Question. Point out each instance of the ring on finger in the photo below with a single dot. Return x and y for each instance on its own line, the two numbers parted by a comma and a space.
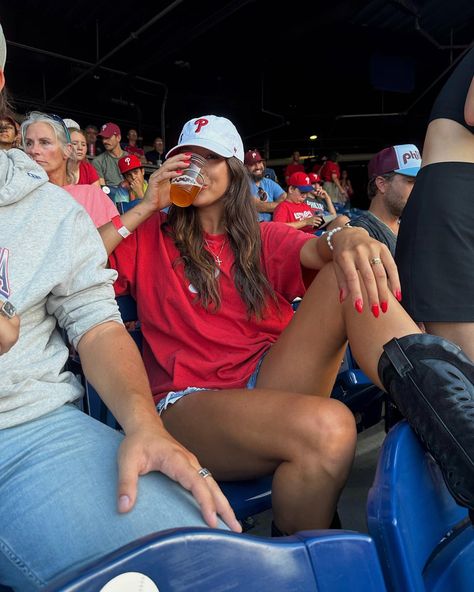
204, 473
376, 261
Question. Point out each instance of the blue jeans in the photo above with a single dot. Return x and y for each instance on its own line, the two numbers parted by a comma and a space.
58, 498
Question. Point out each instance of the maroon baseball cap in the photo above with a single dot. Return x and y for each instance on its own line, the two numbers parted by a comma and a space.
109, 129
301, 181
252, 157
403, 159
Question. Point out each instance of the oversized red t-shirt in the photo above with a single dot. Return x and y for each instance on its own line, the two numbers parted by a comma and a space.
288, 211
185, 344
293, 168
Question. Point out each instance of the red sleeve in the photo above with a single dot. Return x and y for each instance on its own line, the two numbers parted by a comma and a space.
87, 174
123, 259
281, 246
280, 213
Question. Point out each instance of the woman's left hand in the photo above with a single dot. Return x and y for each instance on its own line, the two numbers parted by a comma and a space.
359, 258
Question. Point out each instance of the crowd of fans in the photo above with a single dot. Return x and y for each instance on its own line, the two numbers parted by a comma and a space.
214, 285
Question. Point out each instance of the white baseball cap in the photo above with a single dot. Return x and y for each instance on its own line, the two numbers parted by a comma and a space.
3, 49
215, 133
70, 123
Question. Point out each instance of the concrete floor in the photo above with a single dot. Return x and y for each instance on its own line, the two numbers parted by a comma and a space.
352, 504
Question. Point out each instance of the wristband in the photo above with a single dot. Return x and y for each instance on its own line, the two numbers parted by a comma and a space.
121, 229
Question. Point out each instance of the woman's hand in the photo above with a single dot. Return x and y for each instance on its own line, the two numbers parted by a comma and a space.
358, 257
158, 190
9, 331
152, 448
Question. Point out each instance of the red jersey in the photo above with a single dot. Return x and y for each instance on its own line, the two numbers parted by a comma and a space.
328, 169
288, 211
185, 344
134, 150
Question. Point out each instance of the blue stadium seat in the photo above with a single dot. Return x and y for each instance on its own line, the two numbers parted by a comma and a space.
424, 539
203, 560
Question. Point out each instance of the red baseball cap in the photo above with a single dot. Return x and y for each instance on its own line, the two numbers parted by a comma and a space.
252, 157
314, 178
301, 181
109, 129
129, 163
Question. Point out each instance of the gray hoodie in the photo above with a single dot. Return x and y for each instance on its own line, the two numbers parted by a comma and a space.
52, 268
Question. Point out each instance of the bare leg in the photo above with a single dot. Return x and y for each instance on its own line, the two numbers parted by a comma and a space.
307, 442
460, 333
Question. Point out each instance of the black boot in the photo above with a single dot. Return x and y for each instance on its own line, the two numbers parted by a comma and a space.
432, 383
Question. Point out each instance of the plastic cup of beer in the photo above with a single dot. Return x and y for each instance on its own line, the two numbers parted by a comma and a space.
184, 189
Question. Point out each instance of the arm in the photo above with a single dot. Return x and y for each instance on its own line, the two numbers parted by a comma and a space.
314, 221
147, 445
156, 198
327, 198
352, 255
9, 332
335, 180
469, 105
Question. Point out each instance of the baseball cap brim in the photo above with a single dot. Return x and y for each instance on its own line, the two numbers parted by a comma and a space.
408, 172
203, 143
305, 188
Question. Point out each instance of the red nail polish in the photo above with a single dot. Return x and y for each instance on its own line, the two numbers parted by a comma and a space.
187, 153
375, 310
398, 295
359, 305
341, 296
384, 306
179, 171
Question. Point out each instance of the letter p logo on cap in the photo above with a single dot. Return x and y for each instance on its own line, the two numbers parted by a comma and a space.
200, 123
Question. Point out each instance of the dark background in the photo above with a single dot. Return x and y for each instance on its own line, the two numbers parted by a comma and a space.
360, 75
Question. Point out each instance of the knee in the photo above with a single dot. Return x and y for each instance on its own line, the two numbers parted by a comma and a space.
329, 435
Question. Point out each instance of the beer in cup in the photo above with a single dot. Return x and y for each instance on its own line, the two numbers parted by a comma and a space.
185, 188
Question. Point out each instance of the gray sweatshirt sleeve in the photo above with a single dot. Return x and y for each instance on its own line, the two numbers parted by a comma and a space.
84, 297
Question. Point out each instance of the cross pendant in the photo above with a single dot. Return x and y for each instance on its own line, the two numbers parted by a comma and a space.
218, 260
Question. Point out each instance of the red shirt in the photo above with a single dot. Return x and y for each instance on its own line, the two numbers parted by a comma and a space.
328, 169
87, 173
288, 211
134, 150
293, 168
185, 344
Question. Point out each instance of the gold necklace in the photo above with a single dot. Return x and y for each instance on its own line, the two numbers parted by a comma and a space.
217, 258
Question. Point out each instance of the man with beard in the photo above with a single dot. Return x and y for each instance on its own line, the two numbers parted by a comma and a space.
267, 193
392, 173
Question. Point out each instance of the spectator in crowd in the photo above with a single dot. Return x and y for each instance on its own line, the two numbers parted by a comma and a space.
157, 155
330, 173
8, 133
436, 239
94, 146
392, 173
267, 193
319, 199
47, 141
85, 173
319, 164
131, 147
134, 173
295, 166
294, 211
269, 173
346, 184
233, 281
107, 162
69, 483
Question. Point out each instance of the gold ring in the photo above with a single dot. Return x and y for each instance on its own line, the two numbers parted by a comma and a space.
376, 261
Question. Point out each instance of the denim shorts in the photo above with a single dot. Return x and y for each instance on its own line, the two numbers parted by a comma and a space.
174, 396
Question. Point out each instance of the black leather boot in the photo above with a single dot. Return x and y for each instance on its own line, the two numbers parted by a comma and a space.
432, 383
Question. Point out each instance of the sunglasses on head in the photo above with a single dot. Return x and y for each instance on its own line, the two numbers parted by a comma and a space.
59, 120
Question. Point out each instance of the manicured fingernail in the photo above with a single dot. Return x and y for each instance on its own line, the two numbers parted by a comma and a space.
187, 153
124, 503
384, 306
187, 162
341, 296
375, 310
359, 305
179, 171
398, 295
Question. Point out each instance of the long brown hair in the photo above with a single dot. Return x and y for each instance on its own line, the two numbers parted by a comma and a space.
243, 232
